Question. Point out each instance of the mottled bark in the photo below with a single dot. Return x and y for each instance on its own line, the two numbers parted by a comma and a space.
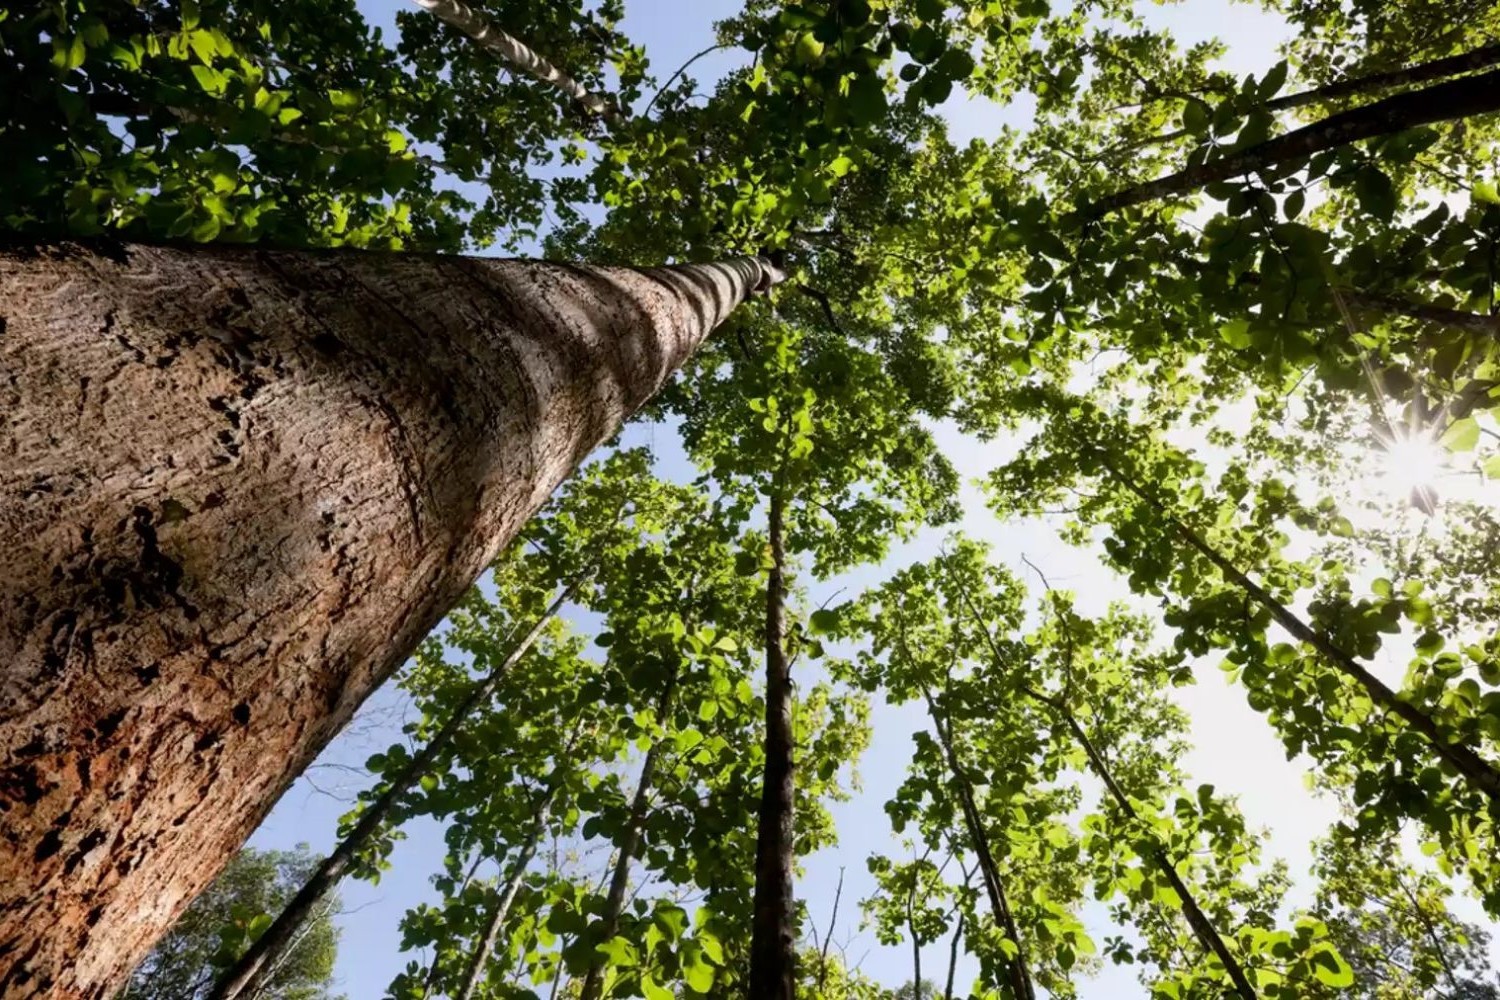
237, 489
254, 966
773, 941
1455, 99
517, 55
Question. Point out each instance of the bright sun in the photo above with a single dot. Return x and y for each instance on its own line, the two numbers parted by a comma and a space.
1410, 465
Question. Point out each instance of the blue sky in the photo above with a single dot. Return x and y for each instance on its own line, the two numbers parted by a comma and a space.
1236, 750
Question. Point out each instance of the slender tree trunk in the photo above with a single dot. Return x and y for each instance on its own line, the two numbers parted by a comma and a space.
1478, 772
773, 944
916, 945
511, 51
630, 845
833, 919
958, 936
243, 978
239, 487
1020, 976
1438, 69
1203, 928
1482, 324
486, 945
1461, 98
435, 970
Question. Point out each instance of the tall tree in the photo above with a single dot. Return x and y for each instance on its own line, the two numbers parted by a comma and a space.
195, 475
227, 916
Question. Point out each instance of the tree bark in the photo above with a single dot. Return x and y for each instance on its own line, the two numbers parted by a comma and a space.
958, 936
514, 53
1207, 934
238, 487
1479, 324
1461, 98
773, 942
1481, 775
251, 970
989, 873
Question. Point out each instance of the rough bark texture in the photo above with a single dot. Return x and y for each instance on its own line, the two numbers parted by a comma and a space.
1461, 98
773, 941
237, 488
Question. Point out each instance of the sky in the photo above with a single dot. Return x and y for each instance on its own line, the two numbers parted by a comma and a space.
1235, 749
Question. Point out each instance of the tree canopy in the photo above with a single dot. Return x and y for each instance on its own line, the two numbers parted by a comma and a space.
1234, 338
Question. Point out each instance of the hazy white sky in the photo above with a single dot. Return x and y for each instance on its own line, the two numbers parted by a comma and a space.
1235, 748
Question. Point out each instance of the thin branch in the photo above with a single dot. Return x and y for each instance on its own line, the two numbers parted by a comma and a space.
680, 70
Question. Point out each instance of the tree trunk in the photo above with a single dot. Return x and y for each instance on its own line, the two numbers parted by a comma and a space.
1461, 98
1203, 928
1479, 324
989, 873
614, 903
1208, 935
773, 942
1481, 775
513, 53
958, 936
252, 968
1437, 69
239, 486
486, 945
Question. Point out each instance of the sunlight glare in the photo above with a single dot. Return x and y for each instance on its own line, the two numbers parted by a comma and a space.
1410, 465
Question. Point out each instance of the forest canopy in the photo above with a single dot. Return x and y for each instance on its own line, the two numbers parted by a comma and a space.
1177, 381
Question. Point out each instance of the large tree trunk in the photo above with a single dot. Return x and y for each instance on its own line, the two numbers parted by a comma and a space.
237, 487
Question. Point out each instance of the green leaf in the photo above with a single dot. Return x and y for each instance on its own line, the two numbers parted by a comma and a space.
823, 621
1236, 333
698, 974
1196, 116
1330, 968
1461, 435
1376, 193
